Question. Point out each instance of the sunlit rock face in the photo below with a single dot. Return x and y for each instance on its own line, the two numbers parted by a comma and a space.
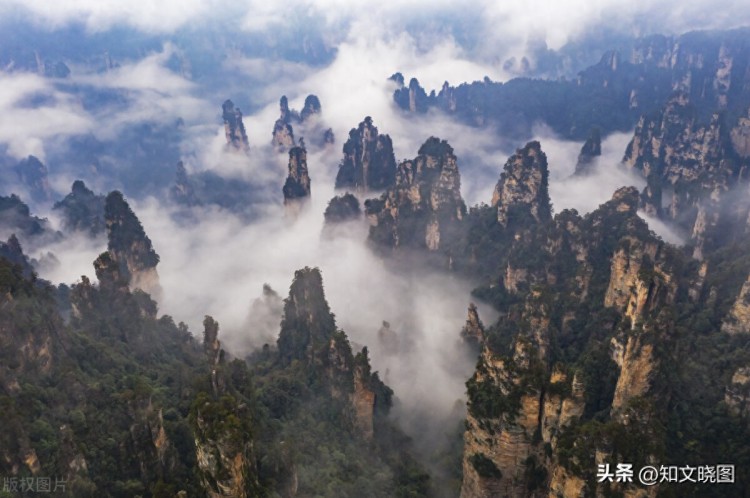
424, 207
525, 404
738, 320
369, 163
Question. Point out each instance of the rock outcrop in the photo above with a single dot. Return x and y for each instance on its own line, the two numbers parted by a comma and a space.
689, 165
591, 149
309, 335
737, 395
512, 417
222, 427
527, 411
13, 253
369, 163
16, 218
738, 320
473, 331
521, 195
224, 448
424, 207
342, 208
130, 247
711, 67
296, 189
311, 108
82, 210
308, 121
234, 128
283, 134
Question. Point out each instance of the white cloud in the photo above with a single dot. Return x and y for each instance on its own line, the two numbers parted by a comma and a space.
149, 92
34, 112
97, 15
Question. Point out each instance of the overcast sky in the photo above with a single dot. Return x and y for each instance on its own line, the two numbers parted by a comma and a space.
488, 21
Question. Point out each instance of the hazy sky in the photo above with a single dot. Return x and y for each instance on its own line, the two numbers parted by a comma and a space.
490, 20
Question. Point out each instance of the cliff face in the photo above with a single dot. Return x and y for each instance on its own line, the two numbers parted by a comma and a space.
283, 134
223, 448
692, 151
297, 186
16, 218
424, 207
522, 190
307, 121
638, 284
82, 210
222, 428
738, 320
473, 331
30, 344
129, 246
234, 128
12, 252
591, 149
527, 409
341, 209
516, 408
711, 67
369, 163
309, 334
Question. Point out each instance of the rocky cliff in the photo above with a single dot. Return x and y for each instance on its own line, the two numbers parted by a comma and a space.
16, 218
710, 66
369, 163
342, 208
296, 189
234, 128
222, 427
738, 320
307, 121
283, 134
591, 289
473, 331
591, 149
309, 334
424, 208
82, 210
521, 195
129, 246
689, 165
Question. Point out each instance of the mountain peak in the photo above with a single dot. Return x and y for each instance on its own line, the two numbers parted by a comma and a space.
234, 128
523, 188
129, 245
369, 163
